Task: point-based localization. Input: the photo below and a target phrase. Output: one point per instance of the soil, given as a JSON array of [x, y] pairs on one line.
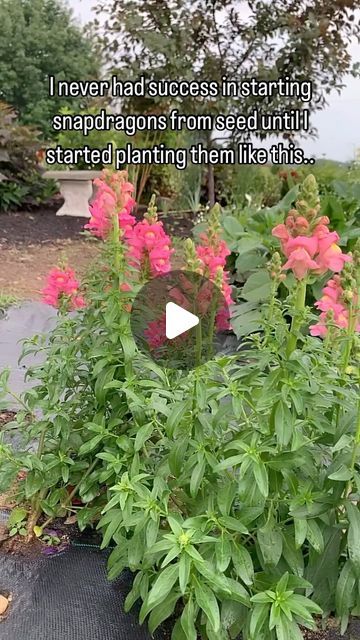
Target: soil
[[332, 631], [5, 417], [31, 243], [16, 546]]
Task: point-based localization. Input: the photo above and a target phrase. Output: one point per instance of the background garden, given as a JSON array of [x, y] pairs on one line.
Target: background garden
[[228, 494]]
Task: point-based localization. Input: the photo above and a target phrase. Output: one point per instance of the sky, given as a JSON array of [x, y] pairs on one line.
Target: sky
[[338, 125]]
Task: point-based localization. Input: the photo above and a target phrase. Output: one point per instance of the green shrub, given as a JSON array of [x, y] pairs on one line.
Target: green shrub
[[19, 149]]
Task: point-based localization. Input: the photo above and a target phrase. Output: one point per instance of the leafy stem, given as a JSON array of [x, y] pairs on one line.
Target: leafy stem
[[297, 319]]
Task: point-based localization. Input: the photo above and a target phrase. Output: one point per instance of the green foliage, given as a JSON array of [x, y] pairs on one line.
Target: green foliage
[[6, 300], [22, 184], [12, 195], [38, 38], [248, 185], [231, 492], [17, 522]]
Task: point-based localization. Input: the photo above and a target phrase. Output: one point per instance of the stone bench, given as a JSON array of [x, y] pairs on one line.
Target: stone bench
[[76, 187]]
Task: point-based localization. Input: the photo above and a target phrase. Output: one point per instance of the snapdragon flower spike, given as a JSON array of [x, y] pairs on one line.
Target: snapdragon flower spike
[[306, 240], [333, 300], [339, 304], [113, 197], [212, 254], [62, 288], [149, 246]]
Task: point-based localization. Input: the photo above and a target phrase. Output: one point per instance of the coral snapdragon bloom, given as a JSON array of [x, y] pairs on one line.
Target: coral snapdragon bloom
[[306, 241], [150, 247], [62, 286], [300, 262], [212, 254], [113, 197], [333, 301]]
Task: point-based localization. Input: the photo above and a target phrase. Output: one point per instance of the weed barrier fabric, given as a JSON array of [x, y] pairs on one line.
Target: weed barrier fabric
[[67, 597], [17, 324]]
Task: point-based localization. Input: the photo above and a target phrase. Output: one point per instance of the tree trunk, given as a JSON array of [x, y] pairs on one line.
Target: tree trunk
[[211, 185], [210, 178]]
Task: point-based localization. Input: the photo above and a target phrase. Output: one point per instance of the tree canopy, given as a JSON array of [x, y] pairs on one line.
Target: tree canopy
[[207, 39], [39, 38]]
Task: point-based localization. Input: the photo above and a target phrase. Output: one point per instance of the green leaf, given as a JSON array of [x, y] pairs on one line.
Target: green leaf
[[315, 536], [344, 596], [258, 287], [103, 378], [162, 586], [283, 423], [232, 226], [16, 516], [243, 563], [233, 461], [300, 532], [176, 416], [162, 612], [271, 544], [207, 601], [223, 553], [233, 524], [90, 445], [33, 483], [116, 521], [184, 571], [143, 435], [342, 474], [258, 619], [261, 478], [353, 537], [128, 345], [197, 476], [188, 617], [177, 456]]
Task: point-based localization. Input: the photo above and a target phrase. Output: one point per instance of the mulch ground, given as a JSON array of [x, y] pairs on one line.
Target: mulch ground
[[32, 242]]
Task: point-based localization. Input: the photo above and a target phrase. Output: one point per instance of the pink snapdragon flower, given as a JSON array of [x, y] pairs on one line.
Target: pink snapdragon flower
[[155, 333], [306, 241], [150, 247], [300, 262], [333, 300], [63, 287], [212, 254], [113, 197]]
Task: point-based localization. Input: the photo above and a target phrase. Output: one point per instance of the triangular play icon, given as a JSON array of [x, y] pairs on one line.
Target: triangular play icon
[[178, 320]]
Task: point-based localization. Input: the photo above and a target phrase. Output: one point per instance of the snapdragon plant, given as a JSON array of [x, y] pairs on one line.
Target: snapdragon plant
[[230, 491]]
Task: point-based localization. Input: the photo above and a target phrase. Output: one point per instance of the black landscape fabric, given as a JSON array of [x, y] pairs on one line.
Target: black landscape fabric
[[67, 597]]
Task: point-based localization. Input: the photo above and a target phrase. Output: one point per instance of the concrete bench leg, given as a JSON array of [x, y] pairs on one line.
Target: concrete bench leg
[[77, 194]]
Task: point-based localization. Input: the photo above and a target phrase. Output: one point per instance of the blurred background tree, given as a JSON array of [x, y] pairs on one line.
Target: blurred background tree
[[207, 39], [39, 38]]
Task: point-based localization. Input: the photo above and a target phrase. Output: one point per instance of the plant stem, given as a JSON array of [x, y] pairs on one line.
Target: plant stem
[[350, 334], [297, 317], [20, 401], [74, 491], [116, 240], [198, 352], [354, 453]]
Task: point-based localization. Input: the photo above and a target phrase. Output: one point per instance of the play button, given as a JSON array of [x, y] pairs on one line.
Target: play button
[[178, 320]]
